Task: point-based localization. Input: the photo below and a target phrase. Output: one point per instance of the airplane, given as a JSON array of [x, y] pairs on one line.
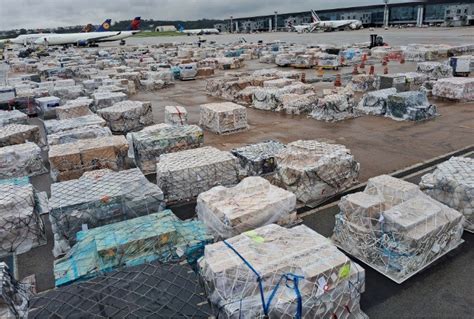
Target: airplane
[[198, 31], [306, 27], [333, 25], [25, 39], [105, 26], [90, 38]]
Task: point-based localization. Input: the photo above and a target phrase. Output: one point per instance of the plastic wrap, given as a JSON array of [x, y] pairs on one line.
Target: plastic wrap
[[375, 103], [176, 115], [74, 108], [335, 107], [223, 118], [14, 295], [99, 198], [71, 160], [410, 106], [258, 159], [12, 134], [153, 290], [458, 89], [297, 104], [395, 228], [160, 139], [55, 126], [21, 227], [253, 203], [127, 116], [159, 236], [314, 171], [21, 160], [11, 117], [186, 174], [435, 70], [105, 99], [274, 272], [76, 134], [363, 83], [452, 183]]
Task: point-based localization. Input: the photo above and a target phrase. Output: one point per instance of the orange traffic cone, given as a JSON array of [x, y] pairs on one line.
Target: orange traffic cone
[[355, 71], [372, 70], [338, 82], [364, 57]]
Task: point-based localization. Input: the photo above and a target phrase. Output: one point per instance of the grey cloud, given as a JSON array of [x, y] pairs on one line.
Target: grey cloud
[[53, 13]]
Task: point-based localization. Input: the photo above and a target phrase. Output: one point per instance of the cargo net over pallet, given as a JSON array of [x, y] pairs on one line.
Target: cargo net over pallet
[[452, 183], [274, 272], [14, 295], [21, 227], [395, 228], [99, 198], [145, 291]]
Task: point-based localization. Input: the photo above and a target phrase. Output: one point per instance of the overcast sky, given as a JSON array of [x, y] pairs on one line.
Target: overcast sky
[[52, 13]]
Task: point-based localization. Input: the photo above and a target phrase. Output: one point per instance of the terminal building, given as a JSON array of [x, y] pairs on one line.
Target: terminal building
[[433, 12]]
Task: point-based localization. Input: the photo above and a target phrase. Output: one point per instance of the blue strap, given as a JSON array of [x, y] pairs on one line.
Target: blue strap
[[288, 277]]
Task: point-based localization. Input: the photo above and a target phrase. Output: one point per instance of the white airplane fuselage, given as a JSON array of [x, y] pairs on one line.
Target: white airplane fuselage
[[201, 31], [339, 24]]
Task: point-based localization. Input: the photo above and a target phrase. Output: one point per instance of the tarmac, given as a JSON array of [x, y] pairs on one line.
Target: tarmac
[[382, 146]]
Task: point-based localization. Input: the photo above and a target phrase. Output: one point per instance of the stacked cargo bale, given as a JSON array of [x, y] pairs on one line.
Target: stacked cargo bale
[[258, 159], [160, 139], [14, 295], [12, 117], [223, 118], [186, 174], [12, 134], [99, 198], [56, 126], [76, 134], [21, 227], [435, 70], [245, 276], [105, 99], [21, 160], [452, 183], [296, 104], [457, 89], [395, 228], [315, 171], [253, 203], [375, 103], [74, 108], [410, 106], [336, 106], [159, 236], [363, 83], [71, 160], [271, 98], [176, 115], [127, 116]]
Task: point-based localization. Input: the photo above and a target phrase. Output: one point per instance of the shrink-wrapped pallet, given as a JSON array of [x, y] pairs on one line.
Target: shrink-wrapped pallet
[[410, 106], [258, 159], [223, 118], [335, 107], [11, 117], [375, 103], [452, 183], [176, 115], [76, 134], [105, 99], [74, 108], [12, 134], [127, 116], [14, 295], [395, 228], [21, 160], [457, 89], [56, 126]]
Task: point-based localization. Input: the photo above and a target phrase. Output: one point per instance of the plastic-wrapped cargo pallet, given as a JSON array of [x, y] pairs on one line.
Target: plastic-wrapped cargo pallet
[[375, 103], [410, 106], [55, 126], [176, 115], [14, 295], [156, 140], [74, 108], [335, 107], [435, 70], [258, 159], [253, 203], [395, 228], [153, 290], [314, 171], [71, 160], [105, 99], [160, 236], [274, 272], [452, 183], [10, 117], [21, 227], [223, 118], [458, 89], [21, 160], [184, 175], [12, 134], [99, 198], [127, 116], [80, 133]]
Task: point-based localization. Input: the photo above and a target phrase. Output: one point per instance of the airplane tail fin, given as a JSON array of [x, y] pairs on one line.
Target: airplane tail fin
[[135, 25], [105, 26], [315, 16], [88, 28]]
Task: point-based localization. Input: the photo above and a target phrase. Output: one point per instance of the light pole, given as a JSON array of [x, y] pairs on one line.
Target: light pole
[[386, 14], [231, 23]]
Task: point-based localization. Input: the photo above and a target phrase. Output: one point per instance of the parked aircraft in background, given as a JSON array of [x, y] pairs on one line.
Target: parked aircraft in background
[[105, 26], [331, 25], [198, 31], [90, 38]]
